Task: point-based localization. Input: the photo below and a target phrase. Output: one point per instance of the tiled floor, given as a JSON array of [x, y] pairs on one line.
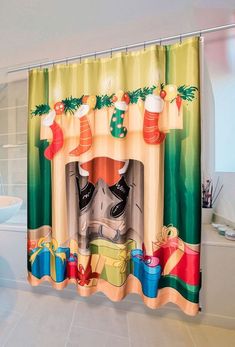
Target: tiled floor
[[47, 320]]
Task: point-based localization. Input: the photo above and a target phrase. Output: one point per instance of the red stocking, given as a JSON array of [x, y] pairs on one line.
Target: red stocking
[[57, 141], [85, 138], [151, 132], [153, 108]]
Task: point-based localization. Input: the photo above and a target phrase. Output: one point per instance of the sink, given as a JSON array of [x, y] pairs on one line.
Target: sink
[[9, 206]]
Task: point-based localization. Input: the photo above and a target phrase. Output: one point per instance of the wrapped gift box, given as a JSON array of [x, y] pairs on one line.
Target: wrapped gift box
[[72, 266], [85, 269], [147, 270], [178, 258], [47, 260], [117, 263]]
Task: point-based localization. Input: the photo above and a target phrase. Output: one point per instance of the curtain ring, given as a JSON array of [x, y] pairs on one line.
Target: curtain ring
[[66, 61], [95, 55], [111, 53], [144, 45], [180, 38], [160, 42], [80, 59], [200, 35], [126, 49]]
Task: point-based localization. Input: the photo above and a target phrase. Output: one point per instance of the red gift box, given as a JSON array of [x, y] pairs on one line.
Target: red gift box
[[177, 257], [72, 266]]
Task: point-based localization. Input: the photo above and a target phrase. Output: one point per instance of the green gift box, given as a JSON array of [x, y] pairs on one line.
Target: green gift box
[[118, 264]]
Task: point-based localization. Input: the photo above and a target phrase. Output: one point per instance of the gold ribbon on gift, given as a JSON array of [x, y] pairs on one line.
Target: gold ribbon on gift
[[116, 259], [170, 232], [52, 247], [169, 236], [115, 255], [123, 259]]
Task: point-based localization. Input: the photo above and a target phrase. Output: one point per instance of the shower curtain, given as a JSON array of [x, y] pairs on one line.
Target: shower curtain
[[114, 175]]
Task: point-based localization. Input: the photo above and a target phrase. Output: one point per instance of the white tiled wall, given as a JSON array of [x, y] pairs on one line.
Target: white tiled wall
[[13, 131]]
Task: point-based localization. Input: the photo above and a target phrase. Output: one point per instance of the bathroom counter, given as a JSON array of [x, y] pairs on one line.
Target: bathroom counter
[[211, 237], [218, 278]]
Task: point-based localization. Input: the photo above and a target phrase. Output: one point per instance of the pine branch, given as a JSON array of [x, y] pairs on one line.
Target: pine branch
[[103, 101], [187, 93], [140, 94], [41, 109], [72, 104], [134, 95], [107, 100]]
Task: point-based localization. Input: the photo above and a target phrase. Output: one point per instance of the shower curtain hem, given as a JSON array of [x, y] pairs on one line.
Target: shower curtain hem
[[131, 286]]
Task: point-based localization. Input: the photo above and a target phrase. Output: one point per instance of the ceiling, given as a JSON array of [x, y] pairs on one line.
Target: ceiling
[[33, 30]]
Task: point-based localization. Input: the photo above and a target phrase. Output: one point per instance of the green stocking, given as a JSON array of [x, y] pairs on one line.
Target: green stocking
[[116, 125]]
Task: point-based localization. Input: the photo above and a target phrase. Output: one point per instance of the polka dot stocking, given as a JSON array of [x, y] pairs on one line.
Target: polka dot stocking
[[116, 124]]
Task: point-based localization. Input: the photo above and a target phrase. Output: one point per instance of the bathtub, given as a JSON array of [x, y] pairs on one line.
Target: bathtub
[[9, 206]]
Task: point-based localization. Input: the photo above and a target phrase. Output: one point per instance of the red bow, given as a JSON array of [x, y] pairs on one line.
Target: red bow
[[84, 276]]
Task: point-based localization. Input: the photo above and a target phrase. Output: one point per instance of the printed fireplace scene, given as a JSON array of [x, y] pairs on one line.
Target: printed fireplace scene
[[114, 176]]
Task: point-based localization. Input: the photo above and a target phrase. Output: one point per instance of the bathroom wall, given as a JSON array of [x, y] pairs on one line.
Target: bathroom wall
[[13, 142], [218, 118]]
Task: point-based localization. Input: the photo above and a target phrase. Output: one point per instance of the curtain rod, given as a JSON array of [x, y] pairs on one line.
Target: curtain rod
[[121, 48]]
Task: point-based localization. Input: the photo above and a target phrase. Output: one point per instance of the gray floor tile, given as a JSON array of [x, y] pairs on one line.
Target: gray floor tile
[[29, 319], [99, 317], [84, 337], [151, 331], [8, 320], [14, 300], [209, 336], [46, 322]]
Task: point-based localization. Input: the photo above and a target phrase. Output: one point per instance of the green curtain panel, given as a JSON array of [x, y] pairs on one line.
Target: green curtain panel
[[114, 175], [182, 194]]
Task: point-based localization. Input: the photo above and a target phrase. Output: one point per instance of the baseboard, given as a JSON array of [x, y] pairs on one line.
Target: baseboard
[[132, 303]]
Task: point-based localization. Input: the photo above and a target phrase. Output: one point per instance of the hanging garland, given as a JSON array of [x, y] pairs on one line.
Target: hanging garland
[[153, 97], [166, 92]]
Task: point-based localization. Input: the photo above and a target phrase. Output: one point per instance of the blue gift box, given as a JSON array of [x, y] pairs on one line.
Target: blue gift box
[[48, 262], [148, 275]]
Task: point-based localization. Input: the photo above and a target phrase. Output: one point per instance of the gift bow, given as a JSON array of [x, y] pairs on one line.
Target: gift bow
[[31, 244], [149, 260], [122, 261], [85, 276], [169, 237], [52, 247], [72, 258]]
